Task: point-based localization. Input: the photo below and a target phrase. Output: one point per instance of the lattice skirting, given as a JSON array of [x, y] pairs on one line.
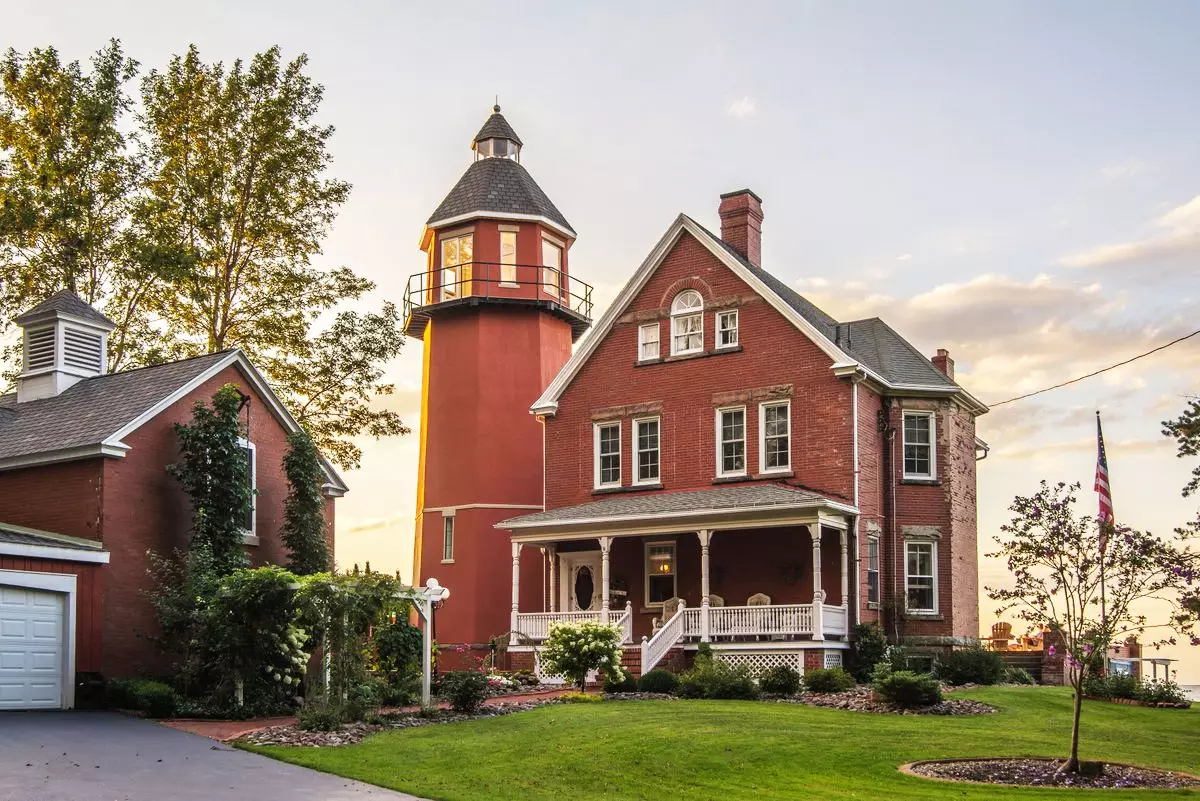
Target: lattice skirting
[[758, 661]]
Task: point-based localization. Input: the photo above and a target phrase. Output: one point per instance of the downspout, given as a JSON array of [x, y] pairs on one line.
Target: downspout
[[889, 485], [857, 548]]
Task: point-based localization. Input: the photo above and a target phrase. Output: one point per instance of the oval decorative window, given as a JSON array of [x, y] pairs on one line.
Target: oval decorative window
[[585, 586]]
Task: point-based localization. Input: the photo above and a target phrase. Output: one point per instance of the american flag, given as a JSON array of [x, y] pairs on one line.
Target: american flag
[[1106, 506]]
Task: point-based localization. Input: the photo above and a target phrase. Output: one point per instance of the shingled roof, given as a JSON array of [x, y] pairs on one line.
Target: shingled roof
[[497, 127], [20, 535], [498, 185], [65, 302]]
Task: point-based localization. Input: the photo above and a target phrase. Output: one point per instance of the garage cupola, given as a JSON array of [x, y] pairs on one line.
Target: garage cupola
[[64, 341]]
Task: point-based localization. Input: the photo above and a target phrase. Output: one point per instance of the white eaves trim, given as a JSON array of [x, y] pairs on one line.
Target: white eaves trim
[[53, 552], [685, 513]]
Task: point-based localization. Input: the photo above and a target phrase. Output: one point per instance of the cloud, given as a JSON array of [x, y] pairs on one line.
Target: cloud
[[1128, 447], [904, 257], [1174, 240], [1123, 171], [741, 108]]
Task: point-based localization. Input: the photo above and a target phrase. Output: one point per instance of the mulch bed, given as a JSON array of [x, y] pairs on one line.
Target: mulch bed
[[1033, 772], [862, 699]]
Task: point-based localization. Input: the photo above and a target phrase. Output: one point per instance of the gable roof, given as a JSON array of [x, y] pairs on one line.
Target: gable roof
[[502, 187], [92, 417], [883, 356], [67, 303]]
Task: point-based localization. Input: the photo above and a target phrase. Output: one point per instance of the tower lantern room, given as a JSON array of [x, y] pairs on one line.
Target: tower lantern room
[[497, 309]]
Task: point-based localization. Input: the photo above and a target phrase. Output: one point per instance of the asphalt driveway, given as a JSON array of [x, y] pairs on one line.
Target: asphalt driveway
[[101, 756]]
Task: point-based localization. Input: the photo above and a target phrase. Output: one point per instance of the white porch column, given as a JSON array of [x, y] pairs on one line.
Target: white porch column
[[605, 546], [845, 574], [705, 536], [818, 610], [516, 590], [552, 555]]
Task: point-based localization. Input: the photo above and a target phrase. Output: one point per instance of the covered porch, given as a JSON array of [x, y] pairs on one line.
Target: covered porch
[[760, 566]]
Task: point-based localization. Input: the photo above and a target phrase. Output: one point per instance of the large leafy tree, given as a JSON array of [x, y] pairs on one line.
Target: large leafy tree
[[198, 232], [1054, 557]]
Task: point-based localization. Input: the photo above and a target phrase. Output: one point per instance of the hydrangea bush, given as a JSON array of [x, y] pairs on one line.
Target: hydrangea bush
[[574, 650]]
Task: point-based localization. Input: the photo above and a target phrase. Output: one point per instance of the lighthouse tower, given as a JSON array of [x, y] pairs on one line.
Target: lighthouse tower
[[497, 310]]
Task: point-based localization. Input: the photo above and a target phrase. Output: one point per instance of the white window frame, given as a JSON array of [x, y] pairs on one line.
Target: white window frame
[[721, 472], [637, 451], [646, 602], [762, 437], [250, 536], [873, 541], [596, 427], [932, 474], [933, 546], [508, 269], [643, 341], [453, 289], [721, 329], [448, 529], [678, 315], [552, 274]]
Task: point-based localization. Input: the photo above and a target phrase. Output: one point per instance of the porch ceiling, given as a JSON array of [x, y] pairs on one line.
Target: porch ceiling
[[739, 506]]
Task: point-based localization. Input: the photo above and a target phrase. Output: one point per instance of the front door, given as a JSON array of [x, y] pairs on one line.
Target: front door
[[579, 588]]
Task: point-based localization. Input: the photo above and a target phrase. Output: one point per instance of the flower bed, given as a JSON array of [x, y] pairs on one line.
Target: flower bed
[[1136, 702], [1034, 772], [862, 699]]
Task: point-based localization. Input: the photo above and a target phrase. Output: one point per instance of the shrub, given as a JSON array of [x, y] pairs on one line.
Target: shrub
[[1162, 691], [576, 649], [626, 684], [779, 680], [526, 678], [867, 649], [828, 680], [580, 698], [906, 689], [972, 665], [157, 699], [1018, 675], [465, 690], [1114, 685], [658, 681], [712, 678], [319, 716]]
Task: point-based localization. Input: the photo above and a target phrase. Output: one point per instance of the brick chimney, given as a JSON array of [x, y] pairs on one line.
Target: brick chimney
[[944, 363], [741, 224]]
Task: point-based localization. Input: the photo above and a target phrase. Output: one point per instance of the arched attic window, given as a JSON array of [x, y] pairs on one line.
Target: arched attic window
[[687, 323]]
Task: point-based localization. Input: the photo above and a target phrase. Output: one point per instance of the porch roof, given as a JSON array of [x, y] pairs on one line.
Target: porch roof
[[729, 505]]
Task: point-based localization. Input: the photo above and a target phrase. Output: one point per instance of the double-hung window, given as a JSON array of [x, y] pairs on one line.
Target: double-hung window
[[448, 538], [727, 329], [920, 576], [456, 266], [608, 454], [731, 441], [687, 323], [508, 257], [920, 458], [660, 572], [551, 267], [775, 431], [872, 570], [648, 342], [646, 444], [249, 526]]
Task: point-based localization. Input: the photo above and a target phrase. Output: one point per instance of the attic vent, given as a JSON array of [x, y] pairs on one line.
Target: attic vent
[[82, 350], [39, 348]]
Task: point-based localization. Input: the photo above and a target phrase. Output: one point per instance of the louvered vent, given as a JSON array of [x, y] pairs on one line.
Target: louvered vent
[[39, 348], [82, 350]]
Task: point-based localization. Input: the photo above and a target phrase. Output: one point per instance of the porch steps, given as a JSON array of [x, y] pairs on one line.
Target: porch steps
[[1030, 660]]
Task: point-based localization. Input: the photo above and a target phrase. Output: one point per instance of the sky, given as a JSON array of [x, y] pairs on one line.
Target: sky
[[1016, 182]]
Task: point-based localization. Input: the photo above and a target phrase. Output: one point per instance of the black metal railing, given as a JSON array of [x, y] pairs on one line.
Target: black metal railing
[[491, 280]]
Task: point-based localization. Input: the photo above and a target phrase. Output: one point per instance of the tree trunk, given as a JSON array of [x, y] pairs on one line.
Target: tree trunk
[[1072, 763]]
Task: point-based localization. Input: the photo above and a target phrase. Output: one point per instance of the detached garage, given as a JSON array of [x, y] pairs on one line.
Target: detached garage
[[48, 595]]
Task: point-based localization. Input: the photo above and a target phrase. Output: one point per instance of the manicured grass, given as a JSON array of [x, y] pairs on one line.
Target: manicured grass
[[733, 749]]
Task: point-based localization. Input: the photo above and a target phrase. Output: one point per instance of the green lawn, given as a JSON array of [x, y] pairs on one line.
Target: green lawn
[[731, 749]]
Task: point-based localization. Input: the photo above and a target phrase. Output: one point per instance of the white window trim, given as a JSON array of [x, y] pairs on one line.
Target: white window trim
[[598, 484], [448, 515], [745, 441], [642, 342], [64, 583], [762, 437], [934, 556], [553, 289], [637, 452], [250, 537], [878, 558], [736, 329], [932, 475], [513, 230], [676, 316], [646, 602]]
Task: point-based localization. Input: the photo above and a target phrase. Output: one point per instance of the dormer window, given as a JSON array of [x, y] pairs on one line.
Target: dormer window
[[497, 149]]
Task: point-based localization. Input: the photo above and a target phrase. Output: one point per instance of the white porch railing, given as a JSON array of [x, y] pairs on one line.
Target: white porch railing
[[834, 619], [536, 625], [671, 632], [749, 621]]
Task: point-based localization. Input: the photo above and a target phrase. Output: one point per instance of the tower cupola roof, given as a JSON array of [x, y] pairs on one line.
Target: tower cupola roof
[[496, 127]]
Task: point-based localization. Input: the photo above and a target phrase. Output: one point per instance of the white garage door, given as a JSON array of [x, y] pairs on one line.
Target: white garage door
[[31, 648]]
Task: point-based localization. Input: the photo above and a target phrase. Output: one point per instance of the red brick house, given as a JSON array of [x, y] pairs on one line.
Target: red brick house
[[84, 494], [726, 463]]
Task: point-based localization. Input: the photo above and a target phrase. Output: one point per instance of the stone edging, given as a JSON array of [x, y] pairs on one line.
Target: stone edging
[[908, 769], [1136, 702]]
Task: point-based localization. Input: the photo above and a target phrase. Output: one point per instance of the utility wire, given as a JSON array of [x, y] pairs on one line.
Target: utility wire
[[1098, 372]]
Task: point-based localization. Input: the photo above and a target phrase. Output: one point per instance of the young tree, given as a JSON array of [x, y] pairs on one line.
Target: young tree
[[215, 473], [576, 649], [1054, 558], [304, 529]]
